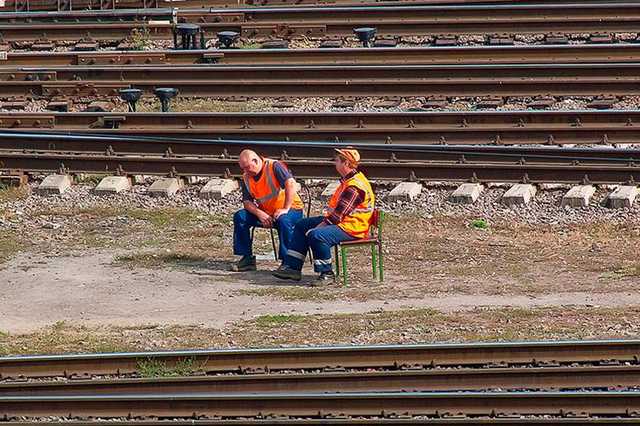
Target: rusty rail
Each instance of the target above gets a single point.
(277, 81)
(340, 21)
(438, 128)
(320, 405)
(528, 378)
(322, 357)
(443, 419)
(338, 56)
(78, 5)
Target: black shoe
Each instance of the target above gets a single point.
(326, 276)
(286, 273)
(247, 263)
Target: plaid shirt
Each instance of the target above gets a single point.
(349, 199)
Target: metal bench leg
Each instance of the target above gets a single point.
(380, 265)
(343, 254)
(337, 256)
(374, 261)
(273, 244)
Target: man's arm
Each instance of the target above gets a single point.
(348, 201)
(251, 207)
(286, 181)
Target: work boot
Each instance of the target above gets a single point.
(286, 273)
(247, 263)
(326, 276)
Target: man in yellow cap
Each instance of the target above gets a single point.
(347, 217)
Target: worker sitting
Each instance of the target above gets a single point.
(270, 200)
(347, 218)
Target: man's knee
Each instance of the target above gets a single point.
(240, 216)
(315, 235)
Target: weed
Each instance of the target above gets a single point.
(277, 320)
(479, 224)
(140, 38)
(253, 45)
(152, 367)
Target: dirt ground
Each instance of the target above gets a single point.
(121, 278)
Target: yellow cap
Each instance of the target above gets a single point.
(352, 155)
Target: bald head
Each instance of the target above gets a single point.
(250, 162)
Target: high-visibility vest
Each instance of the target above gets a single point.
(266, 191)
(357, 222)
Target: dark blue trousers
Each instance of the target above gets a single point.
(320, 240)
(243, 221)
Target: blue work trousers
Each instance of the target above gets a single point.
(320, 240)
(243, 221)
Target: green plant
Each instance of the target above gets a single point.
(152, 367)
(479, 224)
(140, 38)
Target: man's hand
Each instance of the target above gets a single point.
(265, 219)
(280, 212)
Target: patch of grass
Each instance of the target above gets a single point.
(12, 193)
(250, 45)
(88, 179)
(140, 39)
(154, 260)
(400, 326)
(10, 245)
(276, 320)
(623, 272)
(151, 367)
(479, 224)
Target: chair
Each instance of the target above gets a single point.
(374, 240)
(273, 238)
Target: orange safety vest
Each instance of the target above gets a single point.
(266, 191)
(357, 222)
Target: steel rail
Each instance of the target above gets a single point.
(319, 405)
(546, 378)
(339, 56)
(420, 128)
(113, 145)
(454, 171)
(368, 356)
(444, 419)
(343, 80)
(340, 21)
(79, 5)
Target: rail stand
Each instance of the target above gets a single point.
(131, 96)
(365, 35)
(165, 94)
(187, 33)
(227, 38)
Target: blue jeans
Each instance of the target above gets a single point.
(320, 240)
(243, 221)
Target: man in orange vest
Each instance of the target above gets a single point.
(347, 218)
(270, 200)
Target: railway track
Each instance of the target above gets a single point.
(444, 419)
(566, 54)
(528, 378)
(298, 385)
(420, 128)
(335, 81)
(389, 357)
(321, 405)
(78, 5)
(337, 21)
(392, 163)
